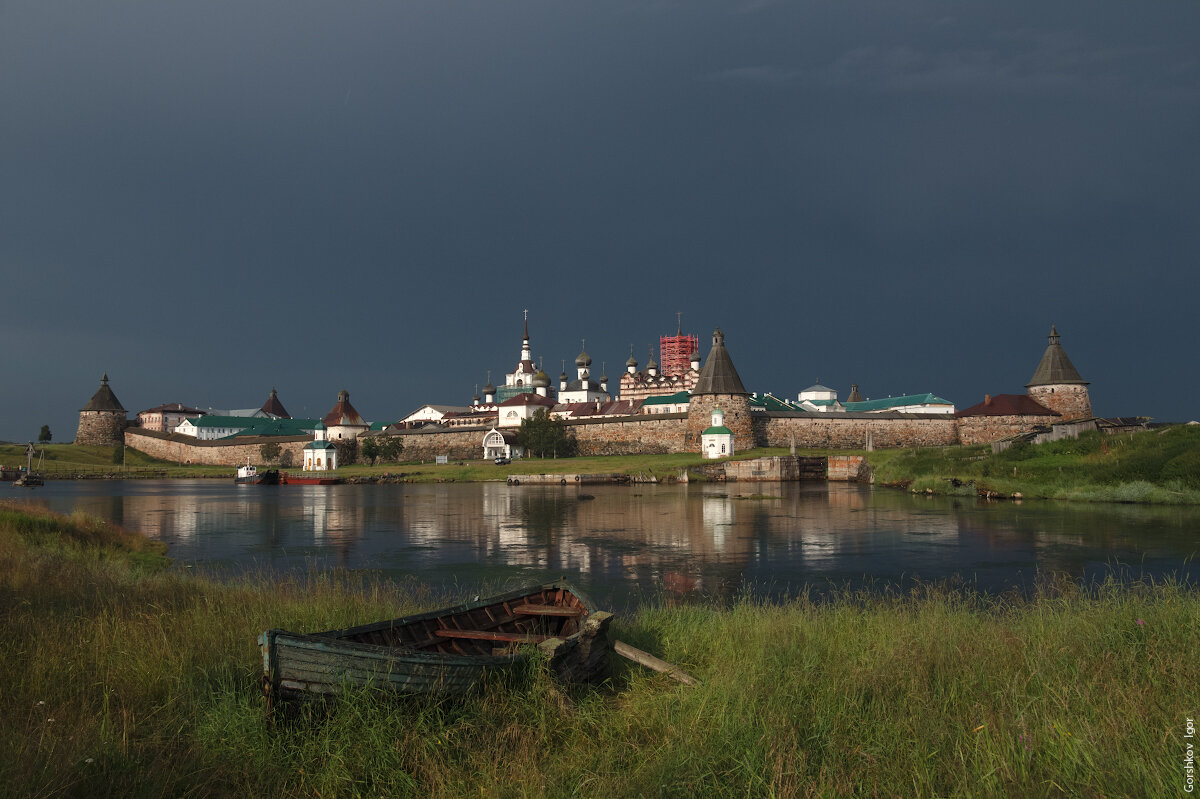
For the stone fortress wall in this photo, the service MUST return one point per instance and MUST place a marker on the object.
(632, 435)
(185, 449)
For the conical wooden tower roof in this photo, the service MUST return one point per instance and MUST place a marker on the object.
(1055, 368)
(274, 407)
(104, 399)
(718, 376)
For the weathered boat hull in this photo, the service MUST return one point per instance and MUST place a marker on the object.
(445, 651)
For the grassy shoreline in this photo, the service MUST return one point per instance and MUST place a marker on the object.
(1154, 467)
(127, 678)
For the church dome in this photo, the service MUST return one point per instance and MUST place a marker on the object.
(632, 362)
(541, 379)
(489, 388)
(583, 359)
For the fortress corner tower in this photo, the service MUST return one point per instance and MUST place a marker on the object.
(719, 386)
(102, 420)
(1057, 384)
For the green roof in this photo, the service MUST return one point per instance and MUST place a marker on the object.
(770, 402)
(717, 431)
(255, 426)
(895, 402)
(669, 399)
(326, 445)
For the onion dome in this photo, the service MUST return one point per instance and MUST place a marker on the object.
(489, 388)
(651, 364)
(603, 376)
(583, 359)
(632, 362)
(541, 379)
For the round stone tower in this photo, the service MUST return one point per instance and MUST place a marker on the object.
(1057, 385)
(719, 386)
(102, 420)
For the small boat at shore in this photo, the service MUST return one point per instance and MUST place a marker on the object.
(27, 477)
(443, 651)
(249, 475)
(29, 480)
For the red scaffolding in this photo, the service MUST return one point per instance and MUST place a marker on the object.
(676, 353)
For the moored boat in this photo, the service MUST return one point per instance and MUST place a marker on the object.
(27, 477)
(29, 480)
(249, 475)
(443, 651)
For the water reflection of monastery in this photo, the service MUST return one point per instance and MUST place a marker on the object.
(647, 540)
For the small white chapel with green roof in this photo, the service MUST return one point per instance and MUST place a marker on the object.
(320, 455)
(717, 441)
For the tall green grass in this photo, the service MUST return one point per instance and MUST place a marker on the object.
(124, 680)
(1153, 466)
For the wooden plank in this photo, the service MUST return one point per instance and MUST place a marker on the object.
(546, 610)
(649, 661)
(482, 635)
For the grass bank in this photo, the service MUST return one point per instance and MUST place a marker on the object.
(1153, 466)
(124, 678)
(74, 460)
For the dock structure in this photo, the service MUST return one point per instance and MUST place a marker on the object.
(566, 479)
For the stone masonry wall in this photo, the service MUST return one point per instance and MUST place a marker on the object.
(185, 449)
(459, 445)
(99, 427)
(656, 433)
(986, 429)
(738, 418)
(1071, 400)
(776, 469)
(847, 468)
(855, 431)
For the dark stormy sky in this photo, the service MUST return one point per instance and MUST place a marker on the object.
(208, 199)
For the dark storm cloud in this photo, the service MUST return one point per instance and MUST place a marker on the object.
(899, 195)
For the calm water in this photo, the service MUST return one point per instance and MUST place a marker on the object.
(623, 544)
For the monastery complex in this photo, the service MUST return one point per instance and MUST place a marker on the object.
(683, 404)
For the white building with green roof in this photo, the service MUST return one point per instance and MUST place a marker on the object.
(717, 441)
(320, 455)
(668, 403)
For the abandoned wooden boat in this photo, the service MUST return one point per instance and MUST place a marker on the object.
(443, 651)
